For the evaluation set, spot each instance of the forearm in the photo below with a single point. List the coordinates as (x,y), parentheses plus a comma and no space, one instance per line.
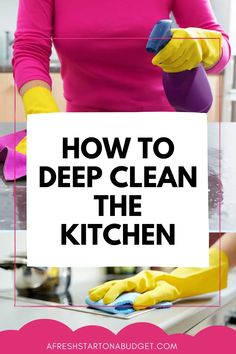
(33,42)
(200,14)
(227,244)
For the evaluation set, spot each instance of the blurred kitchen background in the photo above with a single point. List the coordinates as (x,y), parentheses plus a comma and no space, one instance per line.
(82,275)
(89,275)
(223,86)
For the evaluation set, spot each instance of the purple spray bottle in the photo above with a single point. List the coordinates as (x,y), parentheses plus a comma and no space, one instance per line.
(186,91)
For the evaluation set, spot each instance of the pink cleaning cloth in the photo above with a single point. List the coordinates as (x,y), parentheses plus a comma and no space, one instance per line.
(14,162)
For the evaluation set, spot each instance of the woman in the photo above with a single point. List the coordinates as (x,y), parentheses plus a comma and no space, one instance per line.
(110,70)
(101,47)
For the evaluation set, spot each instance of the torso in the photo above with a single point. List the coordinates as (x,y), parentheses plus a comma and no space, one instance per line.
(101,45)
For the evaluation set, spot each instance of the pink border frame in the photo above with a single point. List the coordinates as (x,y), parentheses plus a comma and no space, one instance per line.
(219,193)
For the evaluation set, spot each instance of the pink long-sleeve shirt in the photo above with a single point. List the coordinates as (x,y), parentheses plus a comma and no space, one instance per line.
(101,47)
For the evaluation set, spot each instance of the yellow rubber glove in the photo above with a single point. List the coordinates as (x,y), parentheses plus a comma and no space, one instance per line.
(155,286)
(188,48)
(37,100)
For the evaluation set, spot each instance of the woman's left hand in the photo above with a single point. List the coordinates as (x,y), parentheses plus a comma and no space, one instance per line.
(188,48)
(36,100)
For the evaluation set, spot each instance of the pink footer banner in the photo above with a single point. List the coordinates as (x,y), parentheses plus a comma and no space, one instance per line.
(46,336)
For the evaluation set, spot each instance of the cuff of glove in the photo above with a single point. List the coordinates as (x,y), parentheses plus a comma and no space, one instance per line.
(39,100)
(210,67)
(219,260)
(197,281)
(223,60)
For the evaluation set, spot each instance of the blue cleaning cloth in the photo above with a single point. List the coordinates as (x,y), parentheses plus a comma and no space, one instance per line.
(122,305)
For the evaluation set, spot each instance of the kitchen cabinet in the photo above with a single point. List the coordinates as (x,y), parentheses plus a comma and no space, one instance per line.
(7,97)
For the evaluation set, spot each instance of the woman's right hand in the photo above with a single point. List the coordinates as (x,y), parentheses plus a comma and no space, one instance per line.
(188,48)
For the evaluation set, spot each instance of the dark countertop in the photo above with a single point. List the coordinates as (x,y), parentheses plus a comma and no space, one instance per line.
(227,203)
(7,193)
